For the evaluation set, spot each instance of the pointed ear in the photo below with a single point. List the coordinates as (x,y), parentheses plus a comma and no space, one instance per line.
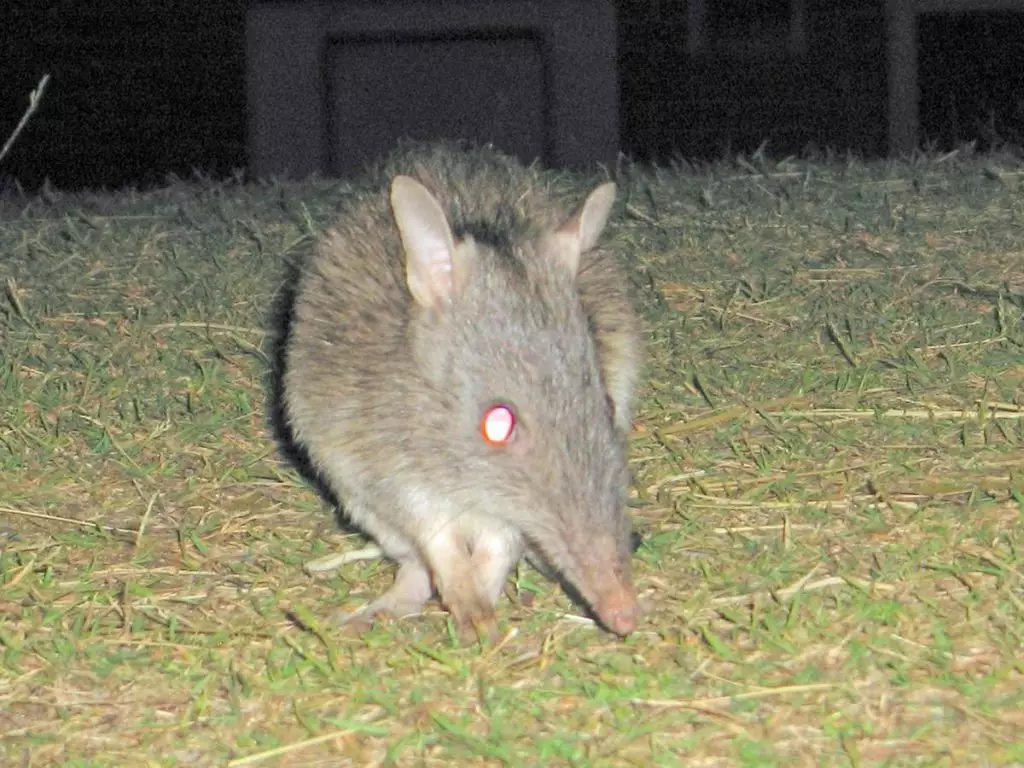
(427,241)
(583,229)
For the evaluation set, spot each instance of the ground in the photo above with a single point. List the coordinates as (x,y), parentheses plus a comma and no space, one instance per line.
(826,474)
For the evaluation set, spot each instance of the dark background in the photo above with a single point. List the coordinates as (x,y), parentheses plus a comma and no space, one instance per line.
(143,89)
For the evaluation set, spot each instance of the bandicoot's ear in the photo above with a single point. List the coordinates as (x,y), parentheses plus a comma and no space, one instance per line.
(583,229)
(427,241)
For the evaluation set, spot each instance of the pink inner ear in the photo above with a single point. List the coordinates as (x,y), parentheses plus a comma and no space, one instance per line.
(426,239)
(438,271)
(571,228)
(437,268)
(564,245)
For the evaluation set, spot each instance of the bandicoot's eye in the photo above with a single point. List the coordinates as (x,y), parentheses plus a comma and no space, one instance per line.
(498,425)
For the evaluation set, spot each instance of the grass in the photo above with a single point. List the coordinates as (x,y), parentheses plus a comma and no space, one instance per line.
(828,476)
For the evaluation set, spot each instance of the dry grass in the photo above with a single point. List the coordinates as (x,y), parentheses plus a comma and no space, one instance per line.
(827,475)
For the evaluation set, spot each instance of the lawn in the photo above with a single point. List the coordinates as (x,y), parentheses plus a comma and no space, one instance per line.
(828,474)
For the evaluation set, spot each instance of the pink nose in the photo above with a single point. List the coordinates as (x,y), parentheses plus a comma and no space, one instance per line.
(619,612)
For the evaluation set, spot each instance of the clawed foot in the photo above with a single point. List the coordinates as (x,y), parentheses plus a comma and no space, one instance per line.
(478,622)
(364,618)
(470,627)
(407,597)
(469,583)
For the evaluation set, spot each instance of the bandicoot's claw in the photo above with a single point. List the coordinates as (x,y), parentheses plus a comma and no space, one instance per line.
(407,597)
(483,628)
(356,622)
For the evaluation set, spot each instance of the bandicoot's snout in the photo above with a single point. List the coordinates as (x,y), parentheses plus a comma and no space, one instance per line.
(618,610)
(606,583)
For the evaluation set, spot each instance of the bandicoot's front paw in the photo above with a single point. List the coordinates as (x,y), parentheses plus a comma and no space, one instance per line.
(476,622)
(386,607)
(361,620)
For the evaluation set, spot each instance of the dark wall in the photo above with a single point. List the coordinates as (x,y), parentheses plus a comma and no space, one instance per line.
(972,78)
(832,96)
(142,89)
(139,89)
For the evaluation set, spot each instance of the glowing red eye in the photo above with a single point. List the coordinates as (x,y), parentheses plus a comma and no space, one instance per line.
(498,424)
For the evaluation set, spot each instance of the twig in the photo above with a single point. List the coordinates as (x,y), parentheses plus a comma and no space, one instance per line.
(110,437)
(209,327)
(992,411)
(15,299)
(145,516)
(71,520)
(801,586)
(336,560)
(259,757)
(33,104)
(717,700)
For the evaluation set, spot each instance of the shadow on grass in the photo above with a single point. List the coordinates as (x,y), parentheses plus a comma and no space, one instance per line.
(280,320)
